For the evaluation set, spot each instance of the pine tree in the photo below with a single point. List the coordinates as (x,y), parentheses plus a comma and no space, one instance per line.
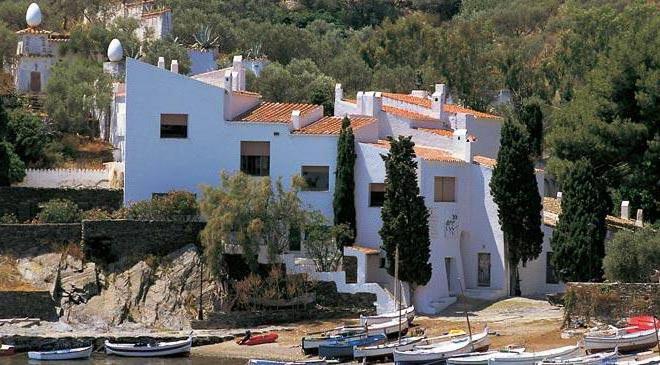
(405,216)
(578,241)
(516,194)
(344,198)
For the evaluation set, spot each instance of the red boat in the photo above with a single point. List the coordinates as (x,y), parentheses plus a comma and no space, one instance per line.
(642,323)
(258,339)
(7,350)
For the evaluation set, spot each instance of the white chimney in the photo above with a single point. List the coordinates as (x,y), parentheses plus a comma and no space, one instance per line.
(373,103)
(625,209)
(420,93)
(339,93)
(174,66)
(559,194)
(439,98)
(228,80)
(639,222)
(239,69)
(161,62)
(360,102)
(296,120)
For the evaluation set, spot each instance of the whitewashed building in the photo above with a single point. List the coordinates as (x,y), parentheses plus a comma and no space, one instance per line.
(154,21)
(180,132)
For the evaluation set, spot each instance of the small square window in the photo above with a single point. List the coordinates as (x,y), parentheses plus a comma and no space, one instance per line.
(316,178)
(255,158)
(444,189)
(376,194)
(174,126)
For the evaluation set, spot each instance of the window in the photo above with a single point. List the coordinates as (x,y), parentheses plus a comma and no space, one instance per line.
(295,239)
(255,158)
(376,194)
(316,178)
(550,277)
(174,126)
(444,189)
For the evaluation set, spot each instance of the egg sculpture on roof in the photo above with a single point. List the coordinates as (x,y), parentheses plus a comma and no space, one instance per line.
(33,15)
(115,51)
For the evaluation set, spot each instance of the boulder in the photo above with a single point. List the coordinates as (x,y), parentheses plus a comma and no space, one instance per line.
(40,271)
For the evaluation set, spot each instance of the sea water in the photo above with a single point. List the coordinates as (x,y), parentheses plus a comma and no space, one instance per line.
(101,359)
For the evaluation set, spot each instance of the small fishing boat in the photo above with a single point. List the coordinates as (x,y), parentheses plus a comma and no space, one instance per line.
(532,357)
(149,350)
(625,342)
(311,344)
(648,361)
(387,349)
(342,349)
(482,358)
(387,328)
(441,351)
(642,323)
(7,350)
(303,362)
(68,354)
(601,358)
(407,313)
(258,339)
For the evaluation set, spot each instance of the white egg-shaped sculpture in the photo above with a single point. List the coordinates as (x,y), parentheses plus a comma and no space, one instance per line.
(33,15)
(115,51)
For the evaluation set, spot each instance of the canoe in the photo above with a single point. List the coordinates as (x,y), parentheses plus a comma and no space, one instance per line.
(258,339)
(440,352)
(68,354)
(531,358)
(386,349)
(594,359)
(156,350)
(482,358)
(408,313)
(648,361)
(7,350)
(342,349)
(625,342)
(303,362)
(311,344)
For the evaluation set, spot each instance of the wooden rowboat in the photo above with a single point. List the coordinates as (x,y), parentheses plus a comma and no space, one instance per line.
(149,350)
(440,352)
(387,349)
(343,349)
(625,342)
(7,350)
(68,354)
(594,359)
(407,313)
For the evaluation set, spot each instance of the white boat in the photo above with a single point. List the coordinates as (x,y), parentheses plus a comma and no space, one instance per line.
(594,359)
(387,328)
(387,349)
(68,354)
(407,313)
(647,361)
(440,352)
(625,342)
(148,350)
(481,358)
(531,358)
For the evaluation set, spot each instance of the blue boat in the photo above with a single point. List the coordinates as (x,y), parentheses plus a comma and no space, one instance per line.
(343,348)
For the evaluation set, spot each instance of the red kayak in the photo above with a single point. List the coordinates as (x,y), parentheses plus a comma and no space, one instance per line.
(642,323)
(258,339)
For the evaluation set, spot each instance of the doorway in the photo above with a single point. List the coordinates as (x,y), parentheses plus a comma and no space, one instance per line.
(448,273)
(483,269)
(35,81)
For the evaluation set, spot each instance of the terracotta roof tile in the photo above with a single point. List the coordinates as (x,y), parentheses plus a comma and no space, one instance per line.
(332,125)
(249,93)
(439,131)
(449,108)
(268,112)
(33,30)
(453,108)
(416,100)
(484,161)
(424,152)
(365,250)
(407,114)
(552,209)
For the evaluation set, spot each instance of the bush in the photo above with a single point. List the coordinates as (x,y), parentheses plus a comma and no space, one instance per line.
(8,218)
(632,257)
(59,211)
(180,206)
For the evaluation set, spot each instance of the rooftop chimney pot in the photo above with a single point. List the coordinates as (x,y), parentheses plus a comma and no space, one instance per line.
(625,209)
(161,62)
(174,66)
(639,222)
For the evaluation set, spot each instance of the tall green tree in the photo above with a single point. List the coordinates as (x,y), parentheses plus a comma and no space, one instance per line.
(344,198)
(632,256)
(405,216)
(530,115)
(12,169)
(516,194)
(578,241)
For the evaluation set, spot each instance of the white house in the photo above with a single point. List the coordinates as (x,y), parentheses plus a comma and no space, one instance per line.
(154,21)
(180,132)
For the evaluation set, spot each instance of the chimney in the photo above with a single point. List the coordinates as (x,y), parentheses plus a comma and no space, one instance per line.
(625,209)
(339,93)
(439,98)
(463,145)
(174,67)
(639,222)
(239,69)
(228,80)
(559,194)
(360,102)
(420,94)
(296,120)
(372,102)
(161,62)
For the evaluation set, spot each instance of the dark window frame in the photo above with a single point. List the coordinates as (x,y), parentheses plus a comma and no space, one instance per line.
(308,186)
(377,194)
(173,130)
(255,164)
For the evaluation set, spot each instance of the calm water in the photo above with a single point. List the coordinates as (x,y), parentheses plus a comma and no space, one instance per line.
(101,359)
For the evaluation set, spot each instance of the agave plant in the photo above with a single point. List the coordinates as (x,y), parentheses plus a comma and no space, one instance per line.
(204,38)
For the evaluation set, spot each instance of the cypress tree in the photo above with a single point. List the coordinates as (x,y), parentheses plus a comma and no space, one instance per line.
(344,198)
(531,115)
(515,191)
(578,241)
(405,216)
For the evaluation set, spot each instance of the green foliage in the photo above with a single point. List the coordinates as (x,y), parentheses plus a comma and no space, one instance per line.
(179,206)
(516,194)
(344,197)
(171,51)
(530,115)
(578,240)
(12,169)
(632,257)
(405,216)
(59,211)
(321,241)
(7,45)
(76,89)
(30,137)
(8,218)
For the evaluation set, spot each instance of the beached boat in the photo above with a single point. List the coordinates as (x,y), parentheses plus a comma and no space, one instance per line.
(407,313)
(532,357)
(625,342)
(642,323)
(482,358)
(310,344)
(387,328)
(647,361)
(68,354)
(387,349)
(440,352)
(343,348)
(7,350)
(602,358)
(149,350)
(258,339)
(303,362)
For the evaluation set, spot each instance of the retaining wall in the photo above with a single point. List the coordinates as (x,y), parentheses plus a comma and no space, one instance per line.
(61,178)
(27,239)
(31,304)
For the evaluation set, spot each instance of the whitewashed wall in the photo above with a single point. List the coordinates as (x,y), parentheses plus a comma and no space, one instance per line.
(59,178)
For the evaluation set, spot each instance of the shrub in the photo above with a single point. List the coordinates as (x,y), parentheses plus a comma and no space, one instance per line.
(8,218)
(59,211)
(178,206)
(632,257)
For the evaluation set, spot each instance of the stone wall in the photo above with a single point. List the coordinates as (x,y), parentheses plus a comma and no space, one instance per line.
(32,239)
(610,302)
(32,304)
(24,202)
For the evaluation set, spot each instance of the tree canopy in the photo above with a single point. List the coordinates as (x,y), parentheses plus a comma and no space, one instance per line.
(632,256)
(344,196)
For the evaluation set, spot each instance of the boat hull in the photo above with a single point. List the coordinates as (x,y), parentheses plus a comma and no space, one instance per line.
(629,342)
(7,350)
(409,314)
(311,345)
(441,352)
(531,358)
(72,354)
(344,349)
(385,350)
(164,349)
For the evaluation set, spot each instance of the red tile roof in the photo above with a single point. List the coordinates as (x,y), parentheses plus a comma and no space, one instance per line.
(450,108)
(365,250)
(332,125)
(249,93)
(552,209)
(407,114)
(268,112)
(33,30)
(484,161)
(438,131)
(453,108)
(424,152)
